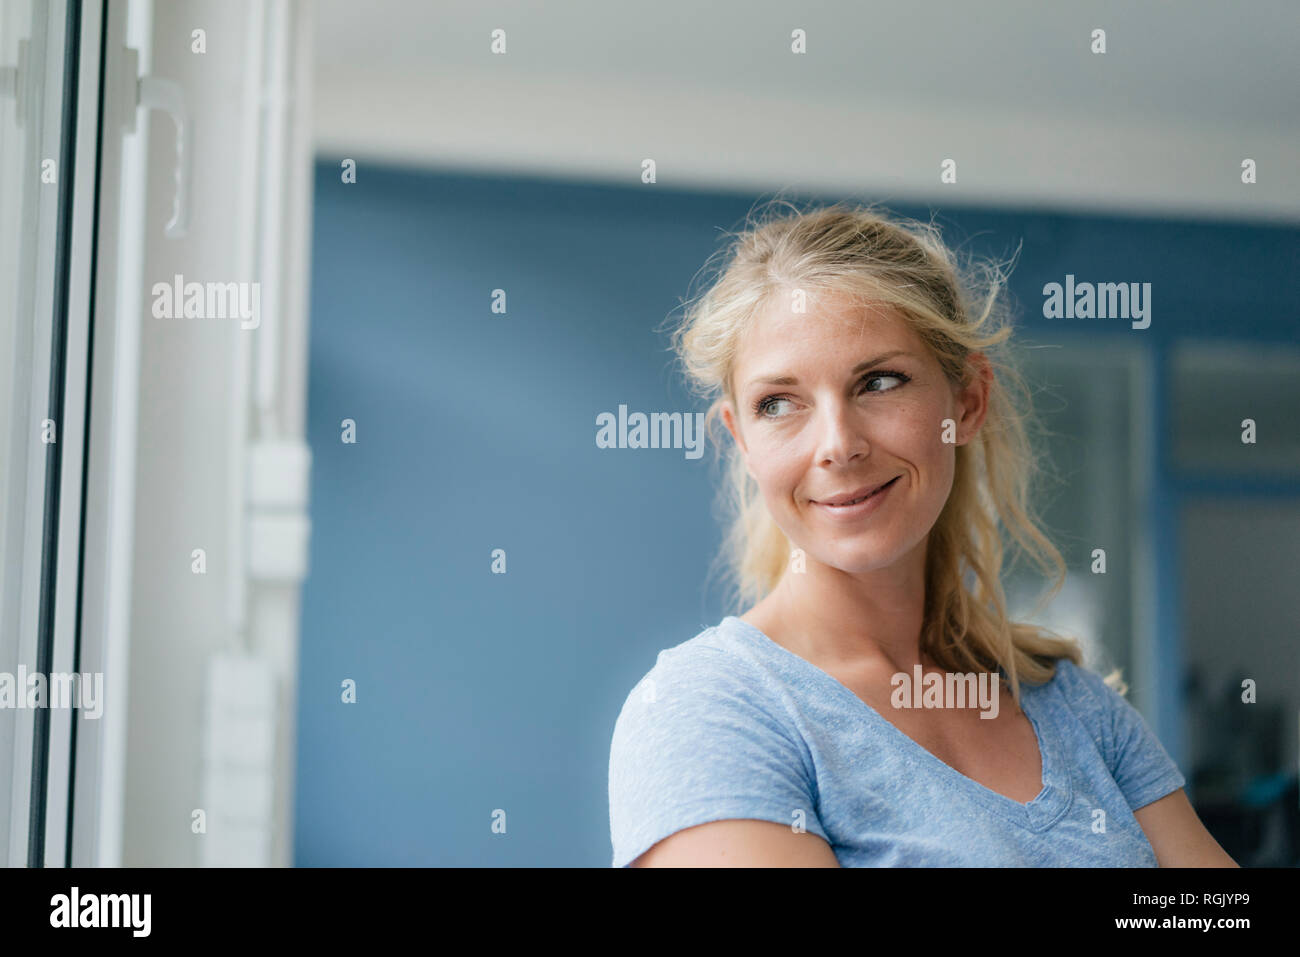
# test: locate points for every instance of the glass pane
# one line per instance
(1215, 388)
(1085, 397)
(32, 41)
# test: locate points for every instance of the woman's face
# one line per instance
(836, 402)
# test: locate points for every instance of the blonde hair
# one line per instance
(871, 257)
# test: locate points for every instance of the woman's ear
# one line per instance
(727, 411)
(973, 398)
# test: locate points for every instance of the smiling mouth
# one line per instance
(862, 498)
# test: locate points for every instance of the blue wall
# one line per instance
(478, 691)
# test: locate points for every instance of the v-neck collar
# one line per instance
(1042, 812)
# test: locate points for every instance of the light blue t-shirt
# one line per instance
(731, 724)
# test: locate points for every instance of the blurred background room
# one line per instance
(361, 585)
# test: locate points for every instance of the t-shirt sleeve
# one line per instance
(1138, 762)
(696, 742)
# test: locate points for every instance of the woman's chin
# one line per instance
(857, 561)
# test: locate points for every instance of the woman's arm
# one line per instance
(1177, 835)
(739, 843)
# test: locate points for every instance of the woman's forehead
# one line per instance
(774, 333)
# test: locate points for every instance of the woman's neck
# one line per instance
(839, 619)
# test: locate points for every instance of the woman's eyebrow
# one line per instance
(772, 379)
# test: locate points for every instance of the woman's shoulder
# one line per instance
(1132, 751)
(698, 740)
(1104, 712)
(709, 663)
(709, 689)
(1081, 686)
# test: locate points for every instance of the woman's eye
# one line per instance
(885, 375)
(765, 406)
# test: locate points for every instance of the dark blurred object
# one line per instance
(1250, 806)
(1261, 836)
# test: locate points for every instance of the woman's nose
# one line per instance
(841, 434)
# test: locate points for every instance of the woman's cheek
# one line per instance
(776, 459)
(917, 437)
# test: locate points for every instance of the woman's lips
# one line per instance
(862, 507)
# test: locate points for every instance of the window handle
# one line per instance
(156, 93)
(12, 83)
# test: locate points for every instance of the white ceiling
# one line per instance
(711, 91)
